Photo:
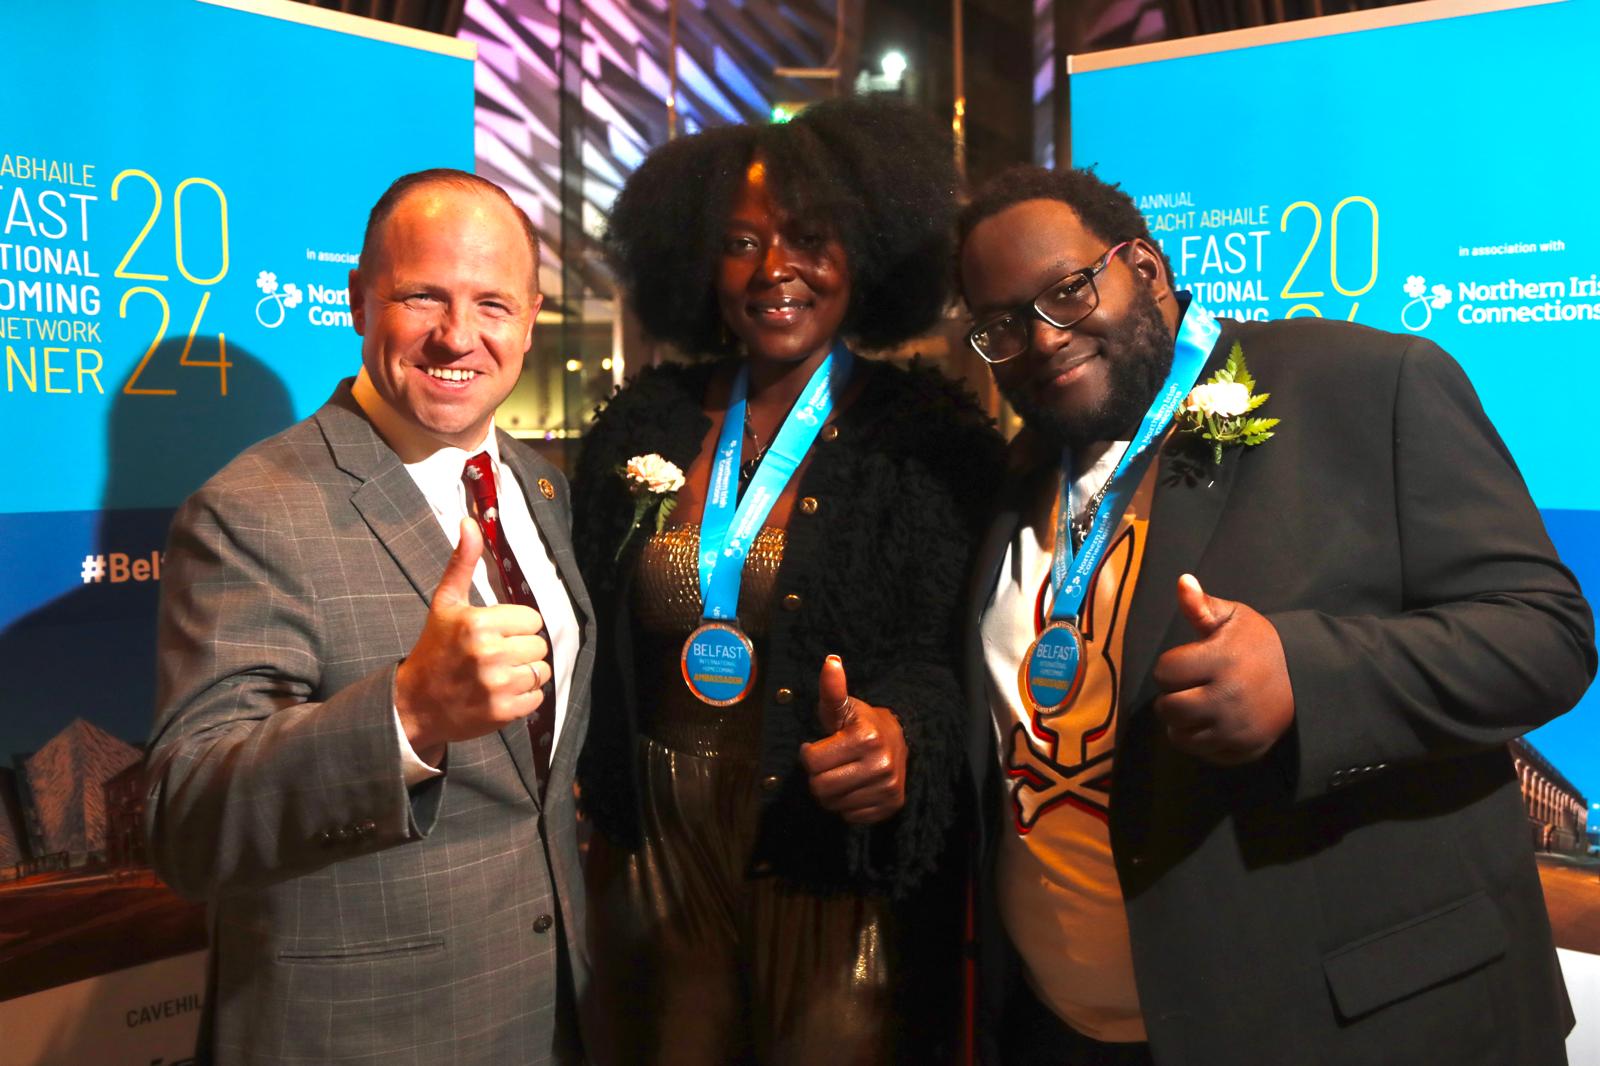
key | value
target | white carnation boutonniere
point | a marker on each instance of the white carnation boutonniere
(653, 482)
(1217, 410)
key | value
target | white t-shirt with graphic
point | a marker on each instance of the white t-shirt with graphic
(1059, 894)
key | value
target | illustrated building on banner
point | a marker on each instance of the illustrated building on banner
(61, 792)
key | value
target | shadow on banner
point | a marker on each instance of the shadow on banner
(77, 896)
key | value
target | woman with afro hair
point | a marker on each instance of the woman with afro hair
(776, 873)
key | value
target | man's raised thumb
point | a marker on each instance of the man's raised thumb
(455, 586)
(833, 696)
(1206, 614)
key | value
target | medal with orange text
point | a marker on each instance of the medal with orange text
(1053, 669)
(719, 661)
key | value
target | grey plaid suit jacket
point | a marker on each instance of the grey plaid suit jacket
(354, 921)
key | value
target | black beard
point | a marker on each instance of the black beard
(1140, 350)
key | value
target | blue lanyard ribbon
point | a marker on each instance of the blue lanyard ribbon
(1070, 571)
(726, 533)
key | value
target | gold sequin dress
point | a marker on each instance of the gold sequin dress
(696, 962)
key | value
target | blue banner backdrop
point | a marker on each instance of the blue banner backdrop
(1431, 175)
(1433, 178)
(183, 187)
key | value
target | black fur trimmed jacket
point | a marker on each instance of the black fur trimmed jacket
(881, 568)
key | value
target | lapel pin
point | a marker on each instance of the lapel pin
(547, 490)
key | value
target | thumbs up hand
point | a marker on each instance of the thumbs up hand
(474, 669)
(1225, 696)
(858, 770)
(835, 709)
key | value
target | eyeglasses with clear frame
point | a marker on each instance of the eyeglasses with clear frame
(1063, 304)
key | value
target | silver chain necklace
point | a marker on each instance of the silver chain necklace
(1084, 519)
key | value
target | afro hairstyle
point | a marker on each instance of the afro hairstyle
(877, 175)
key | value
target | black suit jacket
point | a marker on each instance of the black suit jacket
(1365, 893)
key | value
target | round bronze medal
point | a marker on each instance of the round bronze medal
(1052, 671)
(719, 664)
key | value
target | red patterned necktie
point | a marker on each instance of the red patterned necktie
(484, 503)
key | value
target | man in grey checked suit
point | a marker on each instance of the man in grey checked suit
(342, 761)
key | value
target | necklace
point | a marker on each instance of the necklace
(1084, 519)
(747, 469)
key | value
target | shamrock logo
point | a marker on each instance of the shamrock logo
(1417, 315)
(288, 297)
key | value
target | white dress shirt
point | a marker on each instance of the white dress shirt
(438, 474)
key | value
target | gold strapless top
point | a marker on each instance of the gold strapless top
(666, 589)
(666, 609)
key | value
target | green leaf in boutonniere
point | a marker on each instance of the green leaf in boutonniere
(667, 504)
(653, 482)
(1215, 410)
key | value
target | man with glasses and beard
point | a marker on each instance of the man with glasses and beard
(1241, 690)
